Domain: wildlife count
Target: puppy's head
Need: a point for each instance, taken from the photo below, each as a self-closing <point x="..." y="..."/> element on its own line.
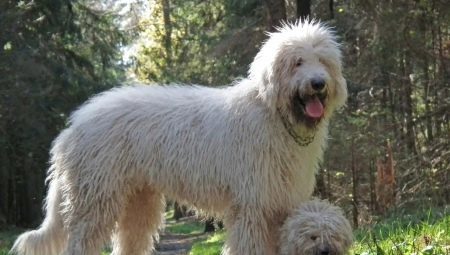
<point x="316" y="228"/>
<point x="299" y="73"/>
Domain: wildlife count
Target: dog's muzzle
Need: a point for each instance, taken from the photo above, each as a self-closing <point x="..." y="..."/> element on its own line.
<point x="307" y="109"/>
<point x="324" y="250"/>
<point x="310" y="108"/>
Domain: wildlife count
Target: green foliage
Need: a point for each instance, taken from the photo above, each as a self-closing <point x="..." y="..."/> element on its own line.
<point x="398" y="91"/>
<point x="53" y="56"/>
<point x="201" y="41"/>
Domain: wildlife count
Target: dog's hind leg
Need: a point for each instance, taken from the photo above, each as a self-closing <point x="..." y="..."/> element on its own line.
<point x="90" y="223"/>
<point x="139" y="222"/>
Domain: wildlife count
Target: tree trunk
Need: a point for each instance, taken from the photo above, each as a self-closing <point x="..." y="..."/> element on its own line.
<point x="385" y="181"/>
<point x="4" y="186"/>
<point x="373" y="196"/>
<point x="32" y="195"/>
<point x="180" y="211"/>
<point x="331" y="8"/>
<point x="443" y="122"/>
<point x="303" y="9"/>
<point x="408" y="104"/>
<point x="354" y="186"/>
<point x="276" y="13"/>
<point x="426" y="80"/>
<point x="168" y="32"/>
<point x="321" y="189"/>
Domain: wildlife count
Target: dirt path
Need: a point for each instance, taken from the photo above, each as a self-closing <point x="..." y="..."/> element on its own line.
<point x="177" y="244"/>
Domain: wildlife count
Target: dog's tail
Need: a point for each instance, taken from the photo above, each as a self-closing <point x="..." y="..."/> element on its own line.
<point x="51" y="237"/>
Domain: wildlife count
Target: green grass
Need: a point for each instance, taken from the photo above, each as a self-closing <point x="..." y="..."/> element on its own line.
<point x="189" y="227"/>
<point x="211" y="246"/>
<point x="182" y="227"/>
<point x="426" y="233"/>
<point x="7" y="237"/>
<point x="169" y="215"/>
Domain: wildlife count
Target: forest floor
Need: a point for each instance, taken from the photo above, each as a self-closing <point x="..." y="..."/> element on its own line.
<point x="178" y="236"/>
<point x="401" y="233"/>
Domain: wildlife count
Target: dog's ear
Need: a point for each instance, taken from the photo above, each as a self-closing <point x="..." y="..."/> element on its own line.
<point x="261" y="72"/>
<point x="270" y="69"/>
<point x="340" y="90"/>
<point x="268" y="90"/>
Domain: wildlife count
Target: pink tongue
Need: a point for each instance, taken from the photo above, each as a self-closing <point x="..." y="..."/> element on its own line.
<point x="314" y="108"/>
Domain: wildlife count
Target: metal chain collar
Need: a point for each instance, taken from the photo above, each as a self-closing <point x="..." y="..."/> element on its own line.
<point x="300" y="140"/>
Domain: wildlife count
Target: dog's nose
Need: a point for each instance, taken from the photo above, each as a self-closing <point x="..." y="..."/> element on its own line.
<point x="325" y="251"/>
<point x="317" y="84"/>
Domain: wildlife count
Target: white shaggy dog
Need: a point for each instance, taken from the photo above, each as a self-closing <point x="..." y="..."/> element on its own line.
<point x="316" y="228"/>
<point x="248" y="152"/>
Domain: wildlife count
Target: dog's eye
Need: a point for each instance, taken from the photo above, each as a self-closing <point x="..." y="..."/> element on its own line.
<point x="299" y="62"/>
<point x="313" y="238"/>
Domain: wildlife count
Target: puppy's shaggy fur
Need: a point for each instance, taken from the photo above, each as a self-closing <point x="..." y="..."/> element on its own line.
<point x="316" y="228"/>
<point x="248" y="152"/>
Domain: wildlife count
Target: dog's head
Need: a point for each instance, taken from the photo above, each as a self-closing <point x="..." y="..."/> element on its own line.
<point x="299" y="73"/>
<point x="316" y="228"/>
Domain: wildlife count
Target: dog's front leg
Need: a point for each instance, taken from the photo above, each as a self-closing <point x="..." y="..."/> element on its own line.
<point x="250" y="232"/>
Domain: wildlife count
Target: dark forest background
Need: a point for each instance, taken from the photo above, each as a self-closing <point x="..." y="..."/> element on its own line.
<point x="389" y="148"/>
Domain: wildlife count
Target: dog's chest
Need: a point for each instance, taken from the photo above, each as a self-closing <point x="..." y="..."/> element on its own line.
<point x="296" y="170"/>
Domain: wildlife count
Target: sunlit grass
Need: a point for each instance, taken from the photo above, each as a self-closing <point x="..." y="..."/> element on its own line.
<point x="168" y="215"/>
<point x="211" y="246"/>
<point x="189" y="227"/>
<point x="183" y="226"/>
<point x="419" y="234"/>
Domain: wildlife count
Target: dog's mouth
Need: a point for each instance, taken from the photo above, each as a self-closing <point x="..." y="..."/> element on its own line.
<point x="309" y="109"/>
